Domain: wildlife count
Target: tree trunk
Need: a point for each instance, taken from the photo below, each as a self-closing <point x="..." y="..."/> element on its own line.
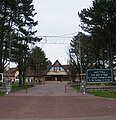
<point x="110" y="55"/>
<point x="23" y="75"/>
<point x="20" y="75"/>
<point x="111" y="59"/>
<point x="1" y="55"/>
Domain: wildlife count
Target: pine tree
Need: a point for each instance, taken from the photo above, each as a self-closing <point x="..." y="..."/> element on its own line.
<point x="16" y="32"/>
<point x="100" y="21"/>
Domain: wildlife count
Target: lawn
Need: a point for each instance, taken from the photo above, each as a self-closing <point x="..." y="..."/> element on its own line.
<point x="2" y="93"/>
<point x="77" y="87"/>
<point x="104" y="94"/>
<point x="16" y="87"/>
<point x="110" y="94"/>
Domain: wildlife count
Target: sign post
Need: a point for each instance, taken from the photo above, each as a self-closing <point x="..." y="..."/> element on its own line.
<point x="99" y="76"/>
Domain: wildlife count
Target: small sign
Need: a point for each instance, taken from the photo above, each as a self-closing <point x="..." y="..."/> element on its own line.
<point x="1" y="77"/>
<point x="99" y="76"/>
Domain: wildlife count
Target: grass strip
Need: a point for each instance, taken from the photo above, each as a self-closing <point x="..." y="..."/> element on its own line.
<point x="2" y="93"/>
<point x="77" y="87"/>
<point x="104" y="94"/>
<point x="109" y="94"/>
<point x="16" y="87"/>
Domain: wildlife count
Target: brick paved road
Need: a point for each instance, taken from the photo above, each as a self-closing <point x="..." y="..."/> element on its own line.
<point x="49" y="102"/>
<point x="47" y="90"/>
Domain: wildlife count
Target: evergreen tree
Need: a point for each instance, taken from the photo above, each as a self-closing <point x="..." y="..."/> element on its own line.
<point x="8" y="9"/>
<point x="16" y="32"/>
<point x="100" y="21"/>
<point x="80" y="54"/>
<point x="38" y="61"/>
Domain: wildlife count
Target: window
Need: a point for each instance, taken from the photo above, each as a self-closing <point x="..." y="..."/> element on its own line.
<point x="57" y="69"/>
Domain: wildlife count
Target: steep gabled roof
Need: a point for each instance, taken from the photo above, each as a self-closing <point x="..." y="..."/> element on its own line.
<point x="30" y="73"/>
<point x="67" y="69"/>
<point x="10" y="72"/>
<point x="57" y="69"/>
<point x="56" y="64"/>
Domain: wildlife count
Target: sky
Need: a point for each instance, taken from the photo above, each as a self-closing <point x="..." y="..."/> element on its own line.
<point x="58" y="21"/>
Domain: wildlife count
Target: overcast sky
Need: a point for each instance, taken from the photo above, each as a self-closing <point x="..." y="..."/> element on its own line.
<point x="55" y="18"/>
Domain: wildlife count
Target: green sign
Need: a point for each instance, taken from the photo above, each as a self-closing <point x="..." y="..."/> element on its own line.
<point x="99" y="75"/>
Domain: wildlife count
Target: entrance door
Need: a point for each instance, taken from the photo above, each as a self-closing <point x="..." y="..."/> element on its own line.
<point x="59" y="78"/>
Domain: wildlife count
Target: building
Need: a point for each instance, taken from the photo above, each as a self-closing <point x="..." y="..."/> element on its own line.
<point x="55" y="72"/>
<point x="58" y="72"/>
<point x="11" y="74"/>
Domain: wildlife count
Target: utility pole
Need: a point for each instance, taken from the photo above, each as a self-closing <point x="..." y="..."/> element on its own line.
<point x="80" y="62"/>
<point x="80" y="59"/>
<point x="9" y="57"/>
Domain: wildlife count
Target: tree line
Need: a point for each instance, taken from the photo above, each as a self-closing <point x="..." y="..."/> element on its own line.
<point x="96" y="46"/>
<point x="16" y="33"/>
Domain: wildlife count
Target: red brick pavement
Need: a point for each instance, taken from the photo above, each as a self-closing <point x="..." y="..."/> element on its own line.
<point x="80" y="107"/>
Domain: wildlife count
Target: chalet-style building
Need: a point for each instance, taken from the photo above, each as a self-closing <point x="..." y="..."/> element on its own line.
<point x="55" y="72"/>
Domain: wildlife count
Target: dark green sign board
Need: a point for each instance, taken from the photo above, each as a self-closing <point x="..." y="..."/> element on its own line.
<point x="99" y="75"/>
